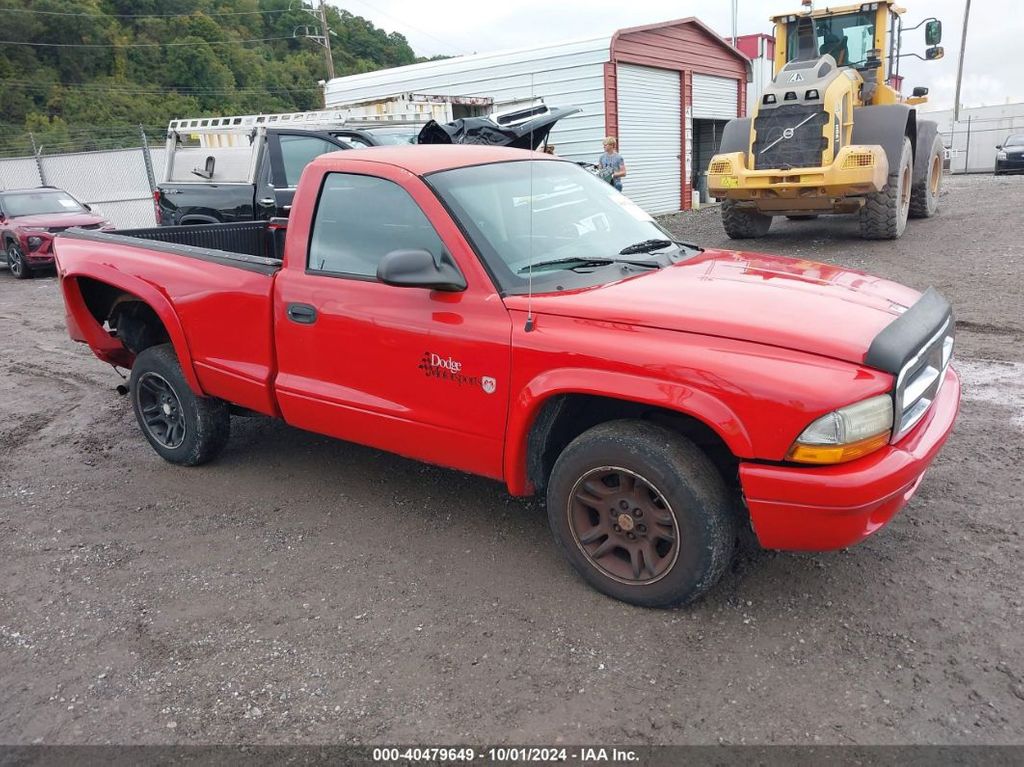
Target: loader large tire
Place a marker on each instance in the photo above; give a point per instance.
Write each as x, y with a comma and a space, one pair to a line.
743, 223
924, 197
884, 215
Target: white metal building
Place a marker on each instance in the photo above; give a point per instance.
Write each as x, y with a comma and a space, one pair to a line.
652, 87
972, 141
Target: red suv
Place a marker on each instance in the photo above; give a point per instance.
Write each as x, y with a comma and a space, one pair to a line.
30, 217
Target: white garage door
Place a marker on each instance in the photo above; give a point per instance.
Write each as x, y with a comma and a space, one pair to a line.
650, 136
715, 98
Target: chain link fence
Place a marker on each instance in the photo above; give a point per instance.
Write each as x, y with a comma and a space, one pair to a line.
971, 141
117, 183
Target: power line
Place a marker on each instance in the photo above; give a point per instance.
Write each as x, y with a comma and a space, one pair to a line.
146, 45
184, 90
143, 15
410, 26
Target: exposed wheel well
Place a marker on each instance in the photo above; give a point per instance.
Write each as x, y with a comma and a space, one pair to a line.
198, 219
565, 416
131, 319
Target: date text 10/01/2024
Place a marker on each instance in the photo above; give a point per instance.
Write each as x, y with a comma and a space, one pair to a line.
504, 754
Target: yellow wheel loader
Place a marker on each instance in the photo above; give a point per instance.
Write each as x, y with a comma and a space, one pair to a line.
833, 133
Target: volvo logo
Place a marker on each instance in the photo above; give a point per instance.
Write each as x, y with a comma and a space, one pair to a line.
788, 133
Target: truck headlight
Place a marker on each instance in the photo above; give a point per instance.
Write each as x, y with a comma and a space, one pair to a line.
847, 433
1000, 155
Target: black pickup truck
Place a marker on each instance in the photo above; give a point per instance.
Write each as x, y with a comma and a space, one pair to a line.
248, 176
209, 185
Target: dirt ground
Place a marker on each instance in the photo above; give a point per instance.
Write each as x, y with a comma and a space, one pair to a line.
302, 590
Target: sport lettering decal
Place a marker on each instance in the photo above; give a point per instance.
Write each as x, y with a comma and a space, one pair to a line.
450, 369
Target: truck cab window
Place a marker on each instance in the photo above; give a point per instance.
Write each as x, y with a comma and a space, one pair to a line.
297, 152
360, 219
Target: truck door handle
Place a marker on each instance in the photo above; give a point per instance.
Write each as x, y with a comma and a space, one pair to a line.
267, 201
304, 314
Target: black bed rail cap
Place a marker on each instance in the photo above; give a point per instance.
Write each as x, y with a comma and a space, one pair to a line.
899, 341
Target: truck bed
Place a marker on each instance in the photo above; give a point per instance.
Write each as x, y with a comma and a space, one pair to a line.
252, 245
214, 298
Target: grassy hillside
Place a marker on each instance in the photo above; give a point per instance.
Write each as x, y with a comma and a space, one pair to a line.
109, 65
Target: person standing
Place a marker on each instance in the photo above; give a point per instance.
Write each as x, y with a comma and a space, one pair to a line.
613, 167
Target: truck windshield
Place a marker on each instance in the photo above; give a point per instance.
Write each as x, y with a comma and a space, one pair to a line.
40, 202
555, 219
846, 37
1017, 140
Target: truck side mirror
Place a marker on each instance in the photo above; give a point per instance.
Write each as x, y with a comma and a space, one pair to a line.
934, 53
418, 269
919, 91
933, 32
998, 146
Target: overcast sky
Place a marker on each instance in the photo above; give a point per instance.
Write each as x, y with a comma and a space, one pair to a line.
992, 67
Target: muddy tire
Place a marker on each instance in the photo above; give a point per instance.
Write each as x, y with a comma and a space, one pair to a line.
16, 262
743, 223
884, 214
924, 196
641, 513
182, 428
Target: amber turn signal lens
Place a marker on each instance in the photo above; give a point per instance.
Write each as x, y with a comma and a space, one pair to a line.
825, 454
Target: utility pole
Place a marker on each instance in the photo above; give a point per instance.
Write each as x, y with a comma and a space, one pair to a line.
327, 38
324, 38
960, 63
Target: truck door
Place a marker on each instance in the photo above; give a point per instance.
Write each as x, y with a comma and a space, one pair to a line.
418, 372
289, 152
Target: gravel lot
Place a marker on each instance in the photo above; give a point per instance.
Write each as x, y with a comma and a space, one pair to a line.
305, 590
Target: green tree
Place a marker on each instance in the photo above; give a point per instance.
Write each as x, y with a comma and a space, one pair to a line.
109, 68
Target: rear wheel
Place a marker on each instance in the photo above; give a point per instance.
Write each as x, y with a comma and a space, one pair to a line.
743, 223
924, 197
884, 214
641, 513
16, 262
182, 428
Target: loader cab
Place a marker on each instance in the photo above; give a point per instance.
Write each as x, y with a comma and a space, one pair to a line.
855, 36
867, 37
848, 38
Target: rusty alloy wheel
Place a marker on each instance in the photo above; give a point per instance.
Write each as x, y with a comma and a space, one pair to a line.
623, 525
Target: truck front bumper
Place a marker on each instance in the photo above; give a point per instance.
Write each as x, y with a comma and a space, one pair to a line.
856, 170
822, 508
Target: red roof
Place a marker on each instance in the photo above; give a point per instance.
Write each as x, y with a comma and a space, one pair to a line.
423, 159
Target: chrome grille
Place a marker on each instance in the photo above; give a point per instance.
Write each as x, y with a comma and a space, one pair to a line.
920, 380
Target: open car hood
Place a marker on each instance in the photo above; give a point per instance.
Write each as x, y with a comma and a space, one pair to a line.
481, 130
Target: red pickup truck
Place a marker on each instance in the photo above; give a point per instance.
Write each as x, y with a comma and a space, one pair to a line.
508, 314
